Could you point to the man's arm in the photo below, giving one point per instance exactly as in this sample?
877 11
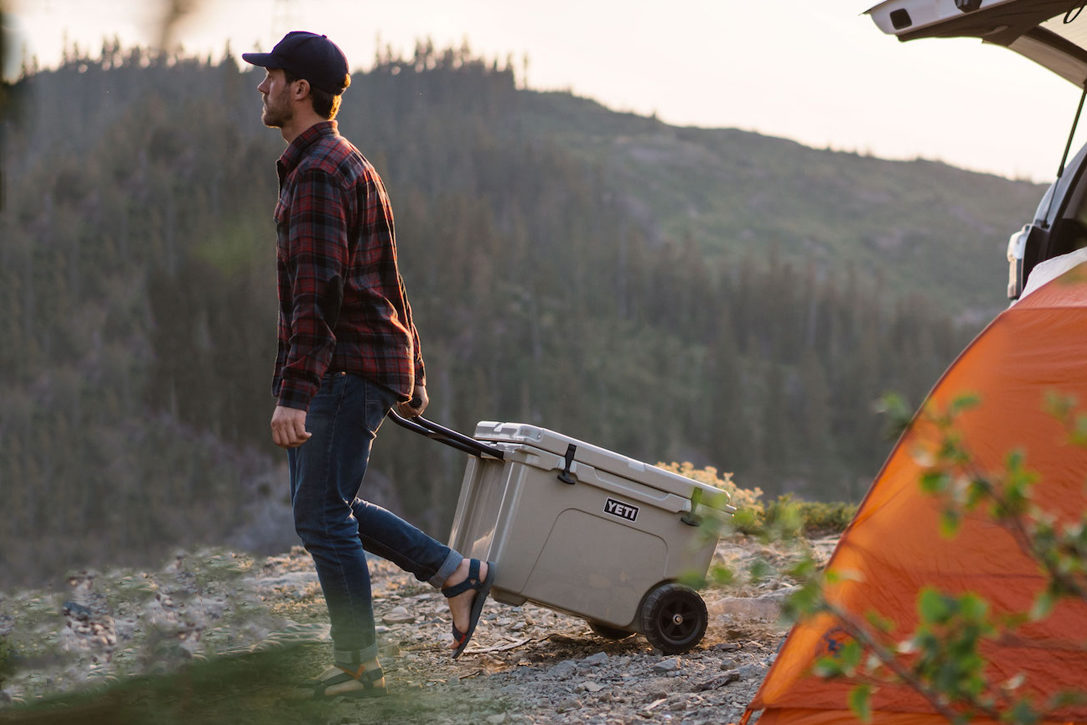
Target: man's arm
317 257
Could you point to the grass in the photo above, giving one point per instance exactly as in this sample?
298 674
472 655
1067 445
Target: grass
252 689
260 688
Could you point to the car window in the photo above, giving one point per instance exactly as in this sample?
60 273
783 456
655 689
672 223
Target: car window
1070 227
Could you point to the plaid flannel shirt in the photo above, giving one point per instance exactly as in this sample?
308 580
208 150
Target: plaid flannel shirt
342 304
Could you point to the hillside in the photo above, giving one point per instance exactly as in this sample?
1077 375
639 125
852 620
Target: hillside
711 296
924 227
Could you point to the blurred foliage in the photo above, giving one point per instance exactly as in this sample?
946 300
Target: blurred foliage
944 658
251 689
808 518
785 517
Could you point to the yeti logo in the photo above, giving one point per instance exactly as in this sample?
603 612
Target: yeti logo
620 509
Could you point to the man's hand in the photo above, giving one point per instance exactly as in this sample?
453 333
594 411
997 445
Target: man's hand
289 427
415 406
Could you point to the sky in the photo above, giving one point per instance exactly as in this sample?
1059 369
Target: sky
818 72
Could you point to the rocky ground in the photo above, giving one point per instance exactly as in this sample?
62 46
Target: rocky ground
217 637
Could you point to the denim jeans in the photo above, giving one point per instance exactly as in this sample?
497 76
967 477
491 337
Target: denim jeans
336 526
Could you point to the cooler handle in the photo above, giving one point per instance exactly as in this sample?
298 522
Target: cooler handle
568 460
448 436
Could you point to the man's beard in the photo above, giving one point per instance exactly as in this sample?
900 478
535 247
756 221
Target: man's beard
275 117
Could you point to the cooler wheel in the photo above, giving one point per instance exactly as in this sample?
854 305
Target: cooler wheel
673 618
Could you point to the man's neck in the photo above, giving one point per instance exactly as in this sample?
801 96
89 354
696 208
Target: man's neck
302 122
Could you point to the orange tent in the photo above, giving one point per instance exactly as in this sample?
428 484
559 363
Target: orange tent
894 545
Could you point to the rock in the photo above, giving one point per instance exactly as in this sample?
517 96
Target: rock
597 659
570 703
765 607
497 719
563 670
398 615
590 686
748 671
77 611
720 681
669 665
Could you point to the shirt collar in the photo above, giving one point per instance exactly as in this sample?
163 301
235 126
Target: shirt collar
297 148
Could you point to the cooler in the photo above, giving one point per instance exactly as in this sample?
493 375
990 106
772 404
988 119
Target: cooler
586 531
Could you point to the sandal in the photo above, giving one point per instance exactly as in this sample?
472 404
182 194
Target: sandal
333 683
482 589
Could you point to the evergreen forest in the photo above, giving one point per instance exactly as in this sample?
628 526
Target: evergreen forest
712 296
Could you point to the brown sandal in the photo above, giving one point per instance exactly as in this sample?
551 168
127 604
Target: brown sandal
369 680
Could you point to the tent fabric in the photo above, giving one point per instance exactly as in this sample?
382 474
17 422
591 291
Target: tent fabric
893 546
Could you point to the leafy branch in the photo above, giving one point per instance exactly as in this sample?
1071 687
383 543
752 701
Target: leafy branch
942 660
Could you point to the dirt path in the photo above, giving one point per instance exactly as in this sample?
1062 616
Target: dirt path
525 664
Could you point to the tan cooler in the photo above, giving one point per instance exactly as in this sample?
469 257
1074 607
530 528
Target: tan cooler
589 532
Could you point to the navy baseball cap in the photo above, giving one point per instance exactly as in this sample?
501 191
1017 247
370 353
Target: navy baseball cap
307 55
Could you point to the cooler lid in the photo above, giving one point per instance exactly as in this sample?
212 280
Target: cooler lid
595 456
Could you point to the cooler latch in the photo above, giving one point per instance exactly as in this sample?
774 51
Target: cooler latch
566 476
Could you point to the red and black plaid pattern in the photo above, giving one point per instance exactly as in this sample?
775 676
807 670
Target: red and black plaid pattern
342 304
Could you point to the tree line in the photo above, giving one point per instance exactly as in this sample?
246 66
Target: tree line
137 276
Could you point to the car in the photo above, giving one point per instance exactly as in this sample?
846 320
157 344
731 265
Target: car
1052 33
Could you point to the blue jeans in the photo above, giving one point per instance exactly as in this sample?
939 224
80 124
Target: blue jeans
336 526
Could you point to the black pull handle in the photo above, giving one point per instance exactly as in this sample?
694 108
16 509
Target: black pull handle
448 436
566 476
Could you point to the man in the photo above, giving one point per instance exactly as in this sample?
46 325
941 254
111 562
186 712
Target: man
348 352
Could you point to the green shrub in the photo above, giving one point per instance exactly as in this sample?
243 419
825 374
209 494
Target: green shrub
782 518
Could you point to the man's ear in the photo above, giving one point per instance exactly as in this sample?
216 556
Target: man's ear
301 89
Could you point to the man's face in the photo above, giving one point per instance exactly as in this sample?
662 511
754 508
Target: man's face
276 90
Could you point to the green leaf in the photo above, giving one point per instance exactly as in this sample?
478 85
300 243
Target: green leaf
721 575
950 520
879 622
850 655
1079 432
1022 714
932 605
963 402
827 668
696 499
759 569
933 482
973 608
1064 698
860 702
1043 605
